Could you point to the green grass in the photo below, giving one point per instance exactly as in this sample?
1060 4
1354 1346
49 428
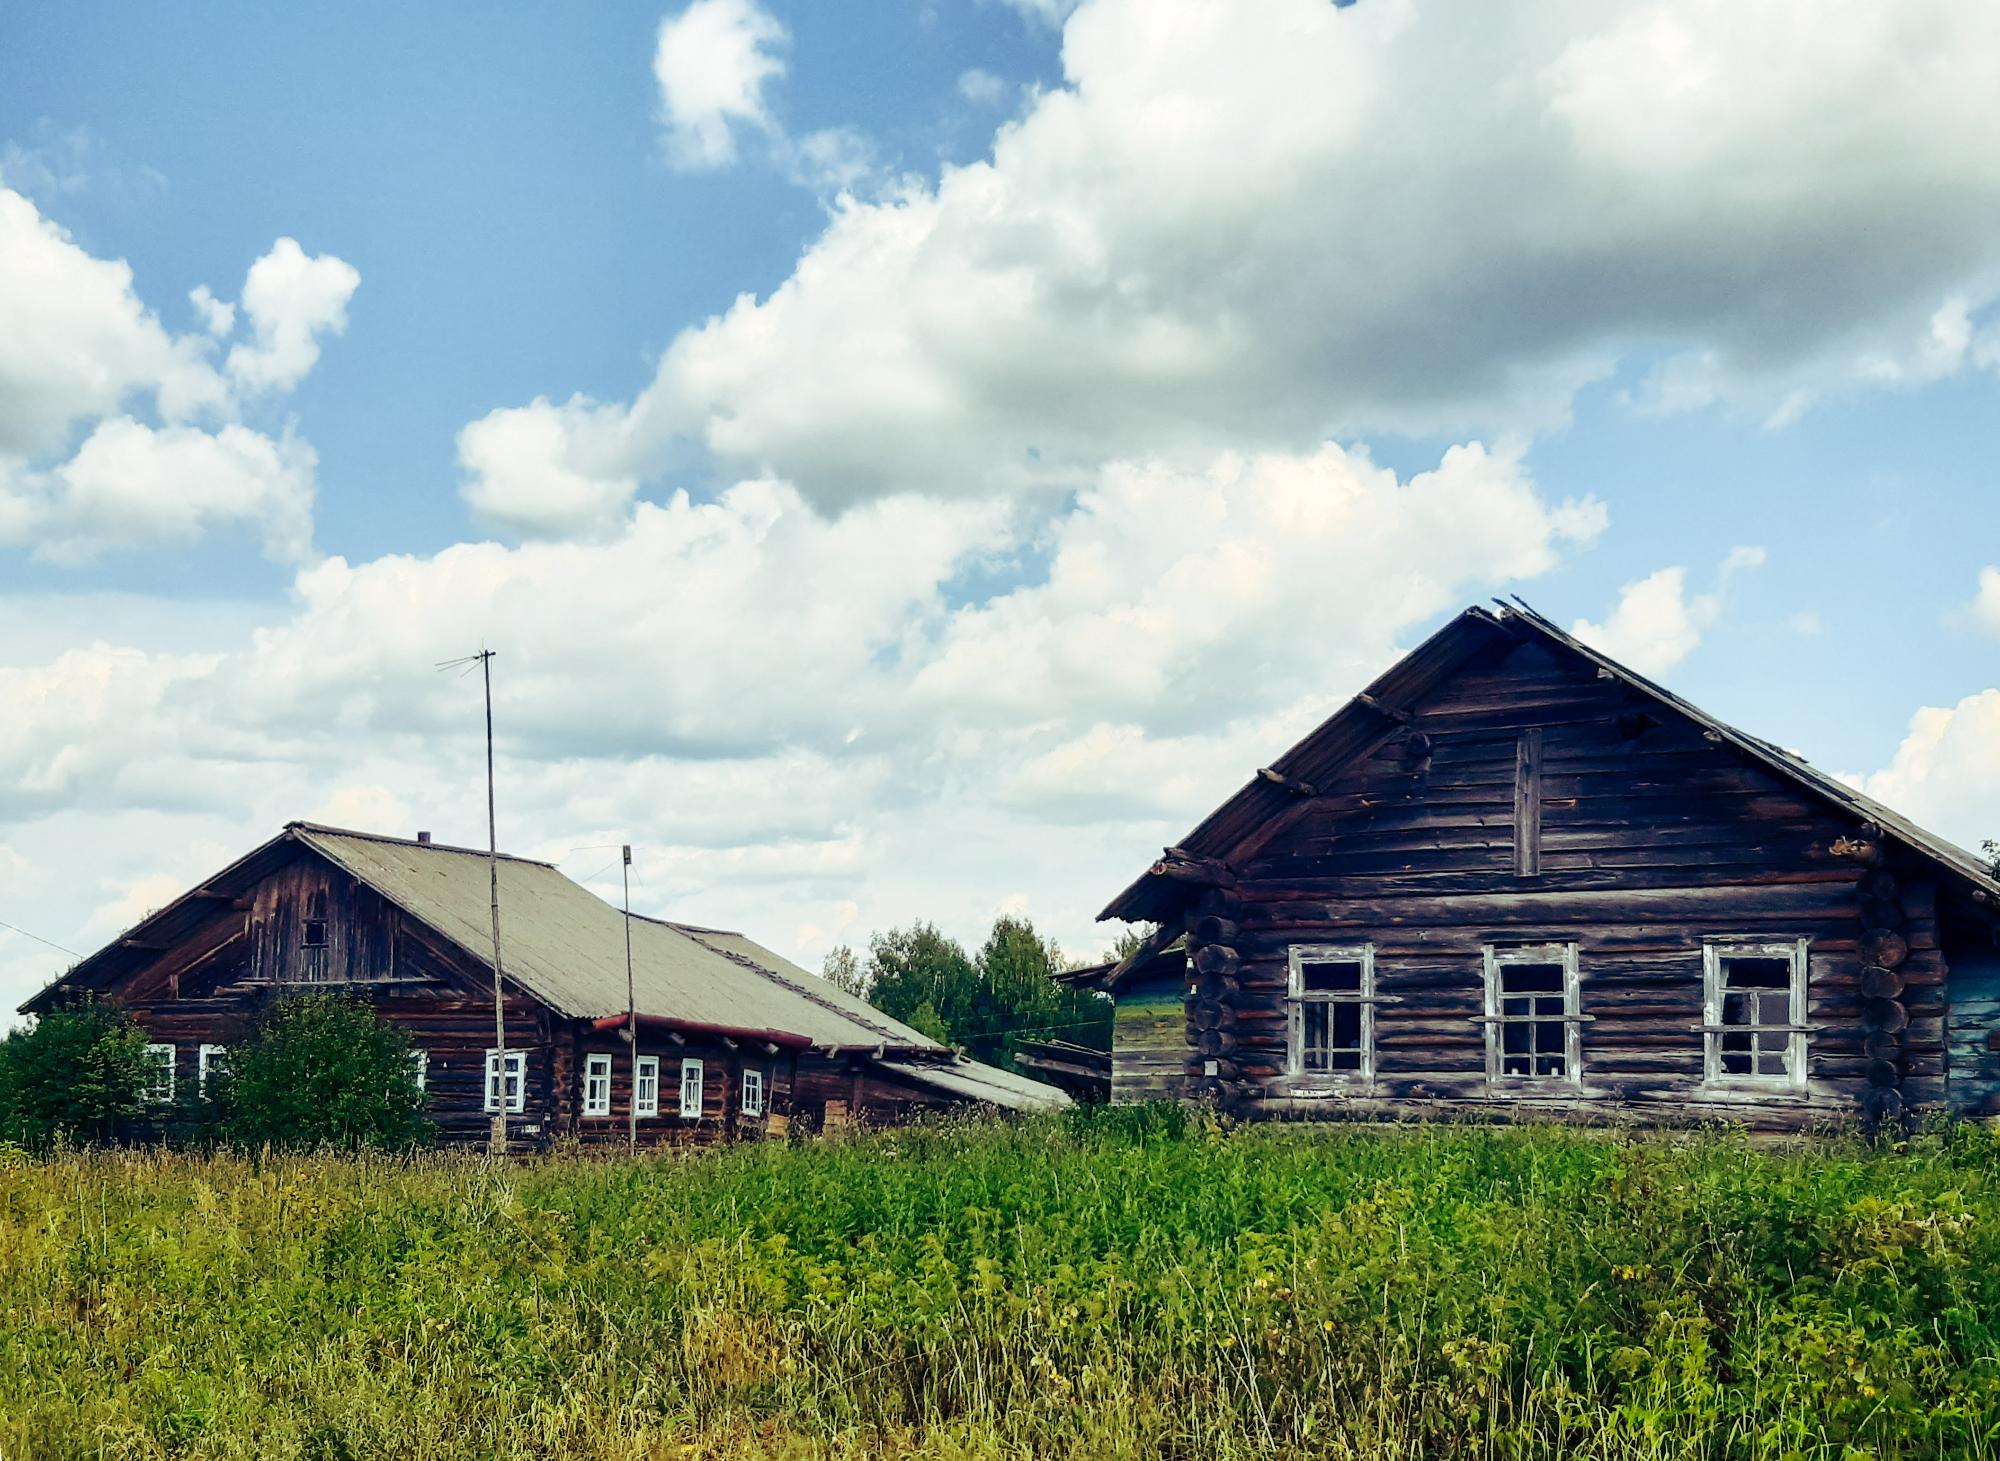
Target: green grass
1108 1286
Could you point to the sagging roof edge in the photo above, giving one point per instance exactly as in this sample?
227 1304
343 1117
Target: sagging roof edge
1140 900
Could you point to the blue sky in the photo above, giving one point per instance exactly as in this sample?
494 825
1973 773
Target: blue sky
1088 358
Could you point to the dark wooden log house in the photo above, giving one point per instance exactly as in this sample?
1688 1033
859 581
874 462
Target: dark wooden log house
1513 877
733 1040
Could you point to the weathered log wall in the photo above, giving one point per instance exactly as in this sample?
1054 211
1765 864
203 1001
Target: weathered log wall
1532 800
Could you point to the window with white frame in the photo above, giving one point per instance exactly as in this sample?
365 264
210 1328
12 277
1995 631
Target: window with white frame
160 1067
753 1093
597 1085
1534 1027
512 1082
646 1085
1754 1013
207 1058
1332 1011
691 1090
420 1069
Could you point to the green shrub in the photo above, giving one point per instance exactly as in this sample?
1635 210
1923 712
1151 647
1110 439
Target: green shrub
319 1070
77 1074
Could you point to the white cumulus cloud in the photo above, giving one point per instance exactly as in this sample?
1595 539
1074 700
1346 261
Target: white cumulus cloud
291 298
712 62
1656 623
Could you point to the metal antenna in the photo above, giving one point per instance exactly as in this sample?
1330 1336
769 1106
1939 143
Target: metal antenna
497 1140
632 1010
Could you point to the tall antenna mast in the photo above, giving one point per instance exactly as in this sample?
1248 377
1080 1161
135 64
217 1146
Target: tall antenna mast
497 1138
632 1012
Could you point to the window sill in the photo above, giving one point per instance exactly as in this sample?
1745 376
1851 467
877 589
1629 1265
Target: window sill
1761 1090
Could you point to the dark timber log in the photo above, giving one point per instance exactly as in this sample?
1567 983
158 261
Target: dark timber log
1854 849
1214 1043
1881 1045
1200 871
1880 983
1289 783
1882 1103
1884 1073
1216 959
1885 1014
1879 884
1884 947
1882 913
1221 988
1212 928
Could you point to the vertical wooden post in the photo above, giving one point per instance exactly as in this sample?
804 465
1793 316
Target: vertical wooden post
497 1138
1528 804
631 1010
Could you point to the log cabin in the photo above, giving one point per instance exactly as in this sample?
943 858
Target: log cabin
1512 878
732 1040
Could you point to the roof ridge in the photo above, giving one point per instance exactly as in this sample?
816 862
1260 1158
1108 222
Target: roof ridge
327 830
795 986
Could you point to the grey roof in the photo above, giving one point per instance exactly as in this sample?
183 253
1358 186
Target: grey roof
1359 725
969 1080
566 946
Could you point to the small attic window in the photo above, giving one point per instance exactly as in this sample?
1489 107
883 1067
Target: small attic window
315 920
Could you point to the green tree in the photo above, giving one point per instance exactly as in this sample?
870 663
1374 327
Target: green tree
918 965
843 971
80 1073
321 1070
988 1003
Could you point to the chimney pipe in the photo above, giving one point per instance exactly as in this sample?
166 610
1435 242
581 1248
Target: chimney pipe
424 838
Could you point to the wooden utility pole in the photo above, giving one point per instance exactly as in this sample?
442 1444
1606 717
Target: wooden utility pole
632 1012
497 1138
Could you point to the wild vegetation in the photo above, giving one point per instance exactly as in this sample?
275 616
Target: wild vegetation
1132 1283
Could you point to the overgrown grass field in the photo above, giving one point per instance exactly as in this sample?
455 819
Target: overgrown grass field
1127 1284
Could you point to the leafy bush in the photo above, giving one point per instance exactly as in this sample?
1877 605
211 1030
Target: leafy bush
78 1074
320 1070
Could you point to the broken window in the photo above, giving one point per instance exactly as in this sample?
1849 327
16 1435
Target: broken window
1332 1011
1533 1023
1754 1013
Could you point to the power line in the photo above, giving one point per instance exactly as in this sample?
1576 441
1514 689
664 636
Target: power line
11 928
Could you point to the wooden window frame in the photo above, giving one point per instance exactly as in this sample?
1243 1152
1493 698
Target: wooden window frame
1496 957
205 1057
420 1068
495 1089
646 1085
1297 997
160 1089
1715 953
753 1080
597 1069
691 1066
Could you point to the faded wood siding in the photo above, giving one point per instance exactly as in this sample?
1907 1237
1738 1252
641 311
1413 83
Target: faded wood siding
1149 1050
1650 840
722 1116
1975 1031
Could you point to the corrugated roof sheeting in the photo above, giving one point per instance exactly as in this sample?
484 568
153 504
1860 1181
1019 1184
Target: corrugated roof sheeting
566 946
973 1081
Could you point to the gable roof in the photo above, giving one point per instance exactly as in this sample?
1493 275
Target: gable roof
1358 726
559 942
